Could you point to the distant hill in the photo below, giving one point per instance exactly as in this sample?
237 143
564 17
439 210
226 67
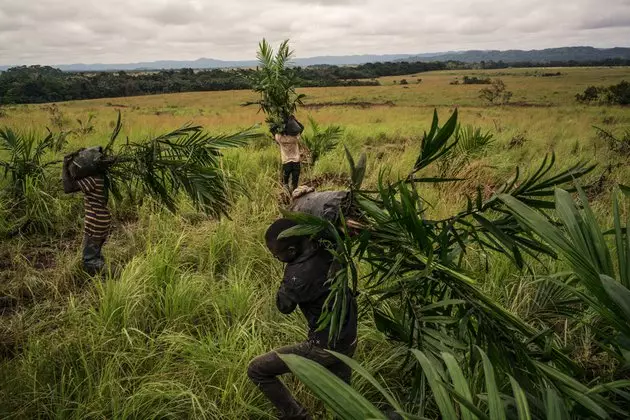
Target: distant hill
579 54
209 63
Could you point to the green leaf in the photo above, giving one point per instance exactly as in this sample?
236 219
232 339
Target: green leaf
363 372
301 230
586 402
460 384
440 394
619 294
555 408
495 404
520 399
347 403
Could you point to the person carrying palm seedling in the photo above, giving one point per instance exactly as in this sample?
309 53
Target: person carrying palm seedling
289 142
86 170
276 82
186 160
305 284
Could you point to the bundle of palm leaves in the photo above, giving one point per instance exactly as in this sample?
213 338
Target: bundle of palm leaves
186 160
276 82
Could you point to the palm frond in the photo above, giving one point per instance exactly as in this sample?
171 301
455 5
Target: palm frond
186 160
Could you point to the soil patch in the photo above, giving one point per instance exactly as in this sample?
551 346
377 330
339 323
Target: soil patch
361 105
528 105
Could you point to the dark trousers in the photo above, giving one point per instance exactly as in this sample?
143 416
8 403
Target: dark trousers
265 369
291 172
93 261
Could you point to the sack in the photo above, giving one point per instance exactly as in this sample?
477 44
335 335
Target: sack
70 185
293 127
81 164
325 204
88 162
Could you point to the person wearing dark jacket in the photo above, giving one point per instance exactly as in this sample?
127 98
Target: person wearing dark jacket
304 285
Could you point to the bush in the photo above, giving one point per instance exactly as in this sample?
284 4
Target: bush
618 94
497 91
476 81
404 82
590 94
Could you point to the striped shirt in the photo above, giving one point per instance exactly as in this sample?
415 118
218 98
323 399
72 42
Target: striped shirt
97 217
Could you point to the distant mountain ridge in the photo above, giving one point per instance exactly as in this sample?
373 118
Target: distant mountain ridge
579 54
565 54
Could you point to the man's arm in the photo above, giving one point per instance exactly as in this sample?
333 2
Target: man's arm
285 301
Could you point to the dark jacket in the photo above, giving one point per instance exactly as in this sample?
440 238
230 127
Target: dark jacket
305 285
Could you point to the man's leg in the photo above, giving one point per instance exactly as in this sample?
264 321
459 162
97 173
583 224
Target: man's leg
286 175
296 176
264 371
93 261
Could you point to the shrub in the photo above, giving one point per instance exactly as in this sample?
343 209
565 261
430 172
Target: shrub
473 80
590 94
496 92
404 82
618 94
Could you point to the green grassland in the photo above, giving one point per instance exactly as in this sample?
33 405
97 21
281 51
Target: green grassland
190 300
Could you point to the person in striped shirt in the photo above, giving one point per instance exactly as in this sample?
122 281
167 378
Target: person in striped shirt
97 221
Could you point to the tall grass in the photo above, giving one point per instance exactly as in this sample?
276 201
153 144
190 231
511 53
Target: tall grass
189 300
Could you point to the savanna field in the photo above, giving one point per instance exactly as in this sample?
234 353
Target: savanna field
189 300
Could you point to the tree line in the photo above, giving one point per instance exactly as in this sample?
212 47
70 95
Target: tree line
40 84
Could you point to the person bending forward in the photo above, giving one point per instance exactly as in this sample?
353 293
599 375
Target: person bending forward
309 265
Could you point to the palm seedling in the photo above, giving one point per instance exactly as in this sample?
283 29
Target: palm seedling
276 84
321 141
186 160
26 161
471 142
27 168
421 294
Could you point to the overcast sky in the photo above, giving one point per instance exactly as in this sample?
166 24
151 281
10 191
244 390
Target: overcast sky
121 31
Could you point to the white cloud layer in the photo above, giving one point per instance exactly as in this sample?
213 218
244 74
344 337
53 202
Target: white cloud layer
119 31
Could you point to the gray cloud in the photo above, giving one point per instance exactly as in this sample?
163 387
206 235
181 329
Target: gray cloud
69 31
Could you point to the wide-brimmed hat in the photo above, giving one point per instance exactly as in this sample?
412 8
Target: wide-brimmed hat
274 230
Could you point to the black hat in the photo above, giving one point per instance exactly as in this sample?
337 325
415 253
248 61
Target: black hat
276 228
285 249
